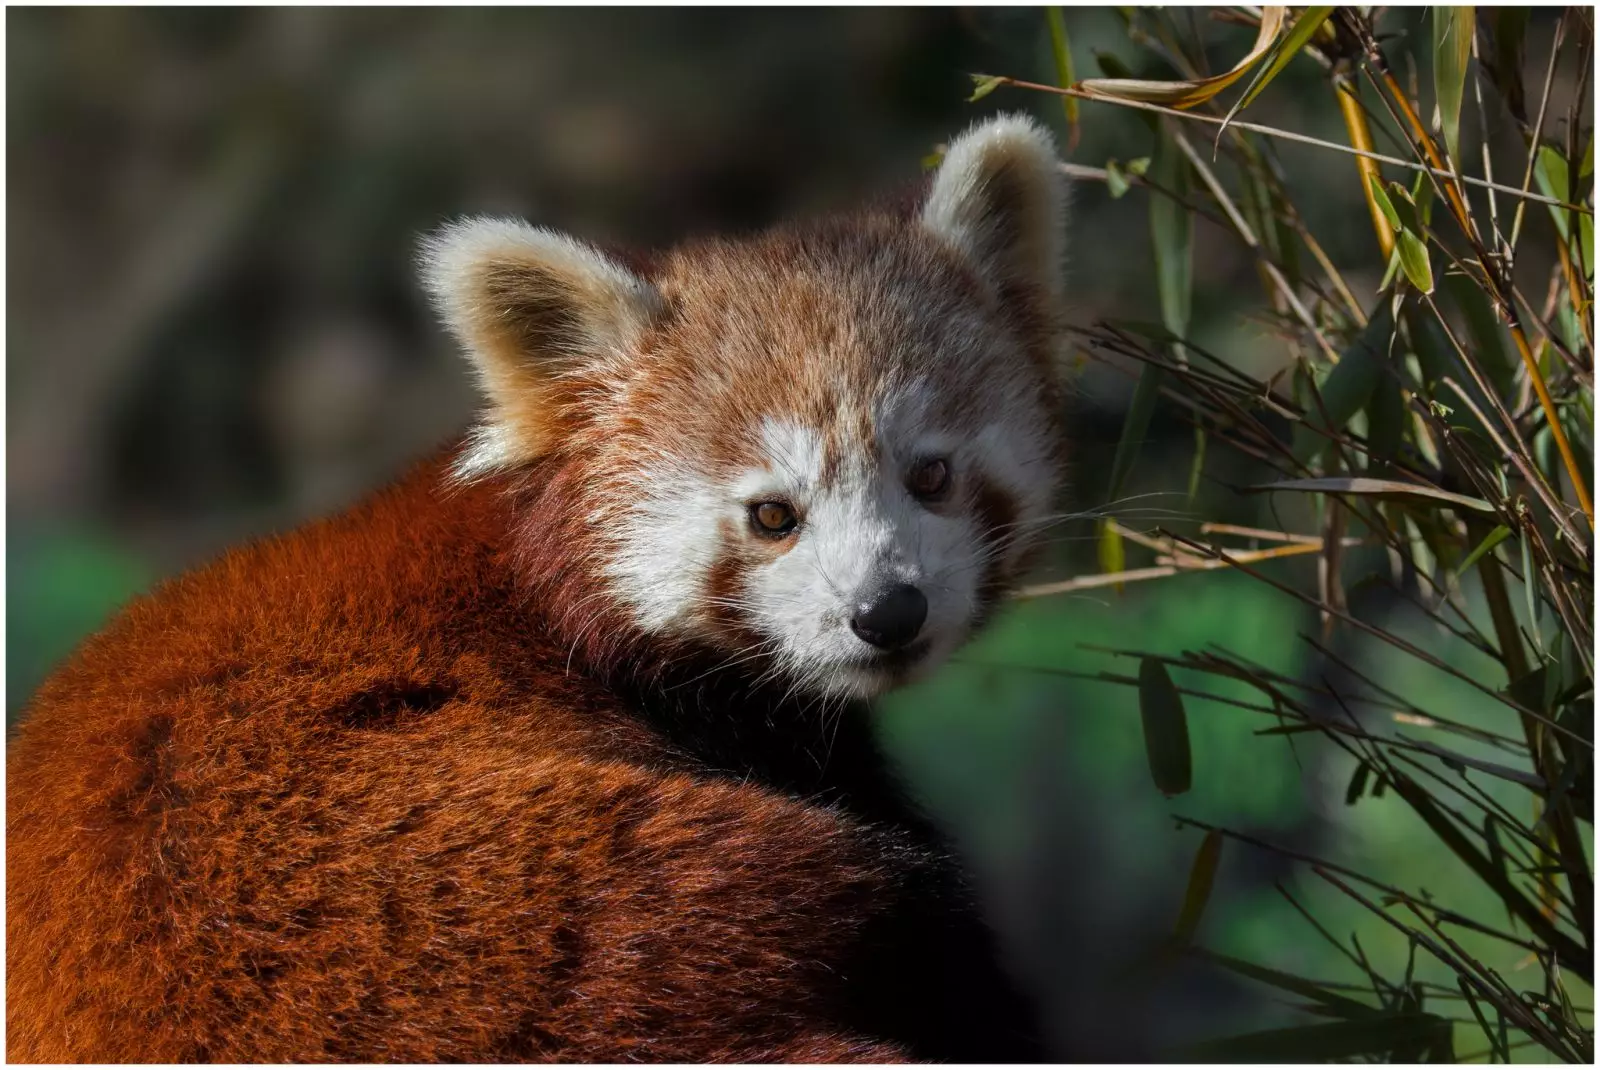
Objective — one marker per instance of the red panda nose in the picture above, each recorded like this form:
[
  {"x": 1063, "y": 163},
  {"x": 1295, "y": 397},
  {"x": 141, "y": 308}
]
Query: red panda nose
[{"x": 892, "y": 617}]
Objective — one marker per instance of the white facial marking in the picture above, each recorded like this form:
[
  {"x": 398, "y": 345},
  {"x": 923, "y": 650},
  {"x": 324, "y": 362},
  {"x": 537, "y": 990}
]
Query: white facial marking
[{"x": 666, "y": 539}]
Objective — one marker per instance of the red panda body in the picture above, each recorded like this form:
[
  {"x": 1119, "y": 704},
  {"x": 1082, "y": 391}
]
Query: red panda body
[{"x": 547, "y": 752}]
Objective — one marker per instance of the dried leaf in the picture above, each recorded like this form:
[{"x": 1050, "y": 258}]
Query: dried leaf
[
  {"x": 1186, "y": 93},
  {"x": 1309, "y": 22},
  {"x": 1378, "y": 488}
]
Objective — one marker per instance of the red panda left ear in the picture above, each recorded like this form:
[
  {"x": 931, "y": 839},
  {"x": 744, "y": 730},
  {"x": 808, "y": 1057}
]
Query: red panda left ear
[
  {"x": 1000, "y": 199},
  {"x": 528, "y": 304}
]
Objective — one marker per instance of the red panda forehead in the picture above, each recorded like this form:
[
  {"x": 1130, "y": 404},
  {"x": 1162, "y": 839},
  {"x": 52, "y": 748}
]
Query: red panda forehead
[{"x": 825, "y": 330}]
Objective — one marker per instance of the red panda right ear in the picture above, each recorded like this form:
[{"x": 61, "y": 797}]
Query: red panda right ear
[
  {"x": 1000, "y": 199},
  {"x": 527, "y": 304}
]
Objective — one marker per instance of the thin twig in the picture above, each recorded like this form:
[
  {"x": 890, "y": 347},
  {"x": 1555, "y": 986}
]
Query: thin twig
[{"x": 1288, "y": 135}]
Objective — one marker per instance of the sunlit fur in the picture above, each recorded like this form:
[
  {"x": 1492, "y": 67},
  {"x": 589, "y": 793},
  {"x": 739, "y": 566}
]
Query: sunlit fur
[{"x": 815, "y": 365}]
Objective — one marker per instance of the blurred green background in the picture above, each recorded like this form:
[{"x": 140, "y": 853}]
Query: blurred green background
[{"x": 215, "y": 333}]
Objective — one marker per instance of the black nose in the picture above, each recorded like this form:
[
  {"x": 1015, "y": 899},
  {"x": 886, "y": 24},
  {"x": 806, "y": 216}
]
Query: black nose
[{"x": 892, "y": 617}]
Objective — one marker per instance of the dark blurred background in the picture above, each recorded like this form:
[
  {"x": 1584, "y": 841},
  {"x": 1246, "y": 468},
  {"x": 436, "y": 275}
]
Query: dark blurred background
[{"x": 215, "y": 332}]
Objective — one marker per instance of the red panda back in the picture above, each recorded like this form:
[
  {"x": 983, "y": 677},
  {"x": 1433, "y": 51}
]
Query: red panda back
[{"x": 313, "y": 818}]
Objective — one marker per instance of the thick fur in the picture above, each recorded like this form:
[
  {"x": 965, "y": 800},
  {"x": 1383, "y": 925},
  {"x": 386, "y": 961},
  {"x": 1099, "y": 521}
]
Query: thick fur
[{"x": 543, "y": 753}]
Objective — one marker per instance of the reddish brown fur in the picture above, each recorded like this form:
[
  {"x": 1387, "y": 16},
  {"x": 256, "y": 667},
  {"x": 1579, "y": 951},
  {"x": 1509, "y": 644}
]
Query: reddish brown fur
[
  {"x": 377, "y": 819},
  {"x": 412, "y": 784}
]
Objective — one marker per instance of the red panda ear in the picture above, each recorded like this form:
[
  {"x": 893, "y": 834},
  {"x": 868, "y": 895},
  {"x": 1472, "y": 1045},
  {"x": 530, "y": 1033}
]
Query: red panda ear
[
  {"x": 1000, "y": 198},
  {"x": 527, "y": 304}
]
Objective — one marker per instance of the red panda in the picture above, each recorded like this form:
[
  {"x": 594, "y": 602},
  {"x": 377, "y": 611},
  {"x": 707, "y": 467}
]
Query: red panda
[{"x": 558, "y": 749}]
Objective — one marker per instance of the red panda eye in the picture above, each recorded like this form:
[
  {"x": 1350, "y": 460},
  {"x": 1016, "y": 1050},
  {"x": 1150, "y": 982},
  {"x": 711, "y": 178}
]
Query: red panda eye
[
  {"x": 772, "y": 518},
  {"x": 929, "y": 478}
]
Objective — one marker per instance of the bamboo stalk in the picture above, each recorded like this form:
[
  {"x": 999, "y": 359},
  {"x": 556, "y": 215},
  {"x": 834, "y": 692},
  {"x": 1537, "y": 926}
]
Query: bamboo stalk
[{"x": 1355, "y": 123}]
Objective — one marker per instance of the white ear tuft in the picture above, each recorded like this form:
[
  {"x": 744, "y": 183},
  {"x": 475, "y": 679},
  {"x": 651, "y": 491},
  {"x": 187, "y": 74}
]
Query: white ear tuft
[
  {"x": 1000, "y": 198},
  {"x": 527, "y": 304}
]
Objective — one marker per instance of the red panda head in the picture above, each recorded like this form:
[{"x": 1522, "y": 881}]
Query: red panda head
[{"x": 825, "y": 451}]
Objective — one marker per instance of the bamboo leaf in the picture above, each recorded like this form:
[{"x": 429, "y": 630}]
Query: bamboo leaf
[
  {"x": 1385, "y": 205},
  {"x": 1061, "y": 49},
  {"x": 1343, "y": 1006},
  {"x": 1134, "y": 425},
  {"x": 1378, "y": 488},
  {"x": 983, "y": 85},
  {"x": 1310, "y": 20},
  {"x": 1551, "y": 172},
  {"x": 1499, "y": 535},
  {"x": 1414, "y": 260},
  {"x": 1358, "y": 784},
  {"x": 1484, "y": 326},
  {"x": 1172, "y": 233},
  {"x": 1166, "y": 729},
  {"x": 1202, "y": 875},
  {"x": 1402, "y": 213},
  {"x": 1452, "y": 48},
  {"x": 1347, "y": 387},
  {"x": 1172, "y": 237},
  {"x": 1116, "y": 181},
  {"x": 1186, "y": 93},
  {"x": 1509, "y": 25},
  {"x": 1571, "y": 955}
]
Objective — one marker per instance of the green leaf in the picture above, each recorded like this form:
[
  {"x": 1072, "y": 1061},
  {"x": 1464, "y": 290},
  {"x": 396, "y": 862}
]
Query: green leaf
[
  {"x": 1386, "y": 425},
  {"x": 1061, "y": 49},
  {"x": 1385, "y": 205},
  {"x": 1134, "y": 425},
  {"x": 1422, "y": 197},
  {"x": 984, "y": 84},
  {"x": 1409, "y": 245},
  {"x": 1348, "y": 386},
  {"x": 1489, "y": 342},
  {"x": 1551, "y": 172},
  {"x": 1412, "y": 249},
  {"x": 1452, "y": 48},
  {"x": 1510, "y": 27},
  {"x": 1343, "y": 1006},
  {"x": 1138, "y": 166},
  {"x": 1358, "y": 784},
  {"x": 1116, "y": 181},
  {"x": 1166, "y": 729},
  {"x": 1414, "y": 260},
  {"x": 1202, "y": 875},
  {"x": 1519, "y": 904},
  {"x": 1172, "y": 234},
  {"x": 1327, "y": 1041},
  {"x": 1499, "y": 535}
]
